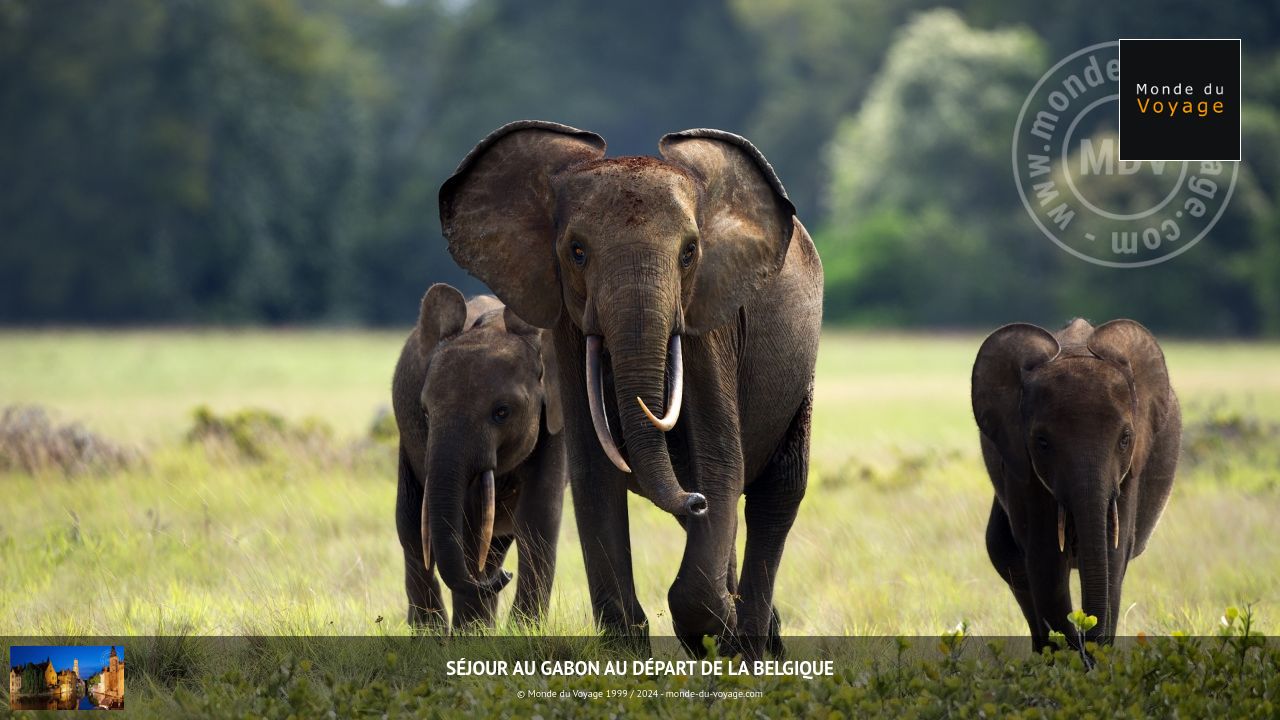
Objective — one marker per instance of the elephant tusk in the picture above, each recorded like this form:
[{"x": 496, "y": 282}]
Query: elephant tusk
[
  {"x": 595, "y": 398},
  {"x": 1062, "y": 529},
  {"x": 1115, "y": 524},
  {"x": 675, "y": 363},
  {"x": 486, "y": 520}
]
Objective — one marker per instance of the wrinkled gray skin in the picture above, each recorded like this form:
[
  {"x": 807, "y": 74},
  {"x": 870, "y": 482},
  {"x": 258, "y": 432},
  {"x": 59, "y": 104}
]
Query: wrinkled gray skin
[
  {"x": 463, "y": 361},
  {"x": 701, "y": 245},
  {"x": 1084, "y": 422}
]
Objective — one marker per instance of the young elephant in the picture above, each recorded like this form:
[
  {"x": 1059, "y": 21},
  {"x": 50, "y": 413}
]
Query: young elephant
[
  {"x": 1080, "y": 434},
  {"x": 482, "y": 461}
]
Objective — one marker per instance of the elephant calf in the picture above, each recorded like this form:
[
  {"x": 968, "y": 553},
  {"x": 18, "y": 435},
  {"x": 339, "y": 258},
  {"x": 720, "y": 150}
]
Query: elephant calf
[
  {"x": 1080, "y": 432},
  {"x": 482, "y": 460}
]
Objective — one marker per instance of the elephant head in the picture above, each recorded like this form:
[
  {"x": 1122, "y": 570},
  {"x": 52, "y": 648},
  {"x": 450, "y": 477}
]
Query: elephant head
[
  {"x": 1080, "y": 421},
  {"x": 485, "y": 401},
  {"x": 634, "y": 252}
]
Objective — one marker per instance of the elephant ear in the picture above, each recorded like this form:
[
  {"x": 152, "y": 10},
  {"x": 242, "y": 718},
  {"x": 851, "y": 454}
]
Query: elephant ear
[
  {"x": 541, "y": 341},
  {"x": 551, "y": 385},
  {"x": 442, "y": 315},
  {"x": 996, "y": 391},
  {"x": 1133, "y": 347},
  {"x": 745, "y": 219},
  {"x": 497, "y": 211}
]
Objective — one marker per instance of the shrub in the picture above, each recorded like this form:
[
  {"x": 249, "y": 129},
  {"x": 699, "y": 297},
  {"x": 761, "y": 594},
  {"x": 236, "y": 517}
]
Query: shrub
[
  {"x": 253, "y": 433},
  {"x": 30, "y": 442},
  {"x": 257, "y": 435}
]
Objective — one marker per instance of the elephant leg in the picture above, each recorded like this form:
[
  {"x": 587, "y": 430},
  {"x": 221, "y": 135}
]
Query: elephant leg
[
  {"x": 1118, "y": 568},
  {"x": 1049, "y": 575},
  {"x": 537, "y": 521},
  {"x": 773, "y": 501},
  {"x": 731, "y": 574},
  {"x": 700, "y": 598},
  {"x": 600, "y": 510},
  {"x": 1011, "y": 564},
  {"x": 470, "y": 609},
  {"x": 497, "y": 556},
  {"x": 729, "y": 646},
  {"x": 599, "y": 504},
  {"x": 426, "y": 603}
]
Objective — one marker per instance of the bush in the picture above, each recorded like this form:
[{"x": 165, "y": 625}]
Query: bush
[
  {"x": 30, "y": 442},
  {"x": 1234, "y": 448},
  {"x": 256, "y": 435},
  {"x": 252, "y": 433}
]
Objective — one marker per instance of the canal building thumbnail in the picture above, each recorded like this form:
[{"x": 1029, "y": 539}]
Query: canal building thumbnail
[
  {"x": 37, "y": 683},
  {"x": 111, "y": 681}
]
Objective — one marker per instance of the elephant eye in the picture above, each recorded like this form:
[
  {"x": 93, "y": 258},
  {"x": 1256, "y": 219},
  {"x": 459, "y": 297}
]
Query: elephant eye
[
  {"x": 578, "y": 252},
  {"x": 689, "y": 253},
  {"x": 1042, "y": 442},
  {"x": 1125, "y": 440},
  {"x": 500, "y": 413}
]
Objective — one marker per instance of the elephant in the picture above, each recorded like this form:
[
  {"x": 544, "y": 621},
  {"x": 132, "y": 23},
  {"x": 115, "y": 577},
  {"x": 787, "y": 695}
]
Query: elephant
[
  {"x": 1080, "y": 433},
  {"x": 482, "y": 460},
  {"x": 684, "y": 299}
]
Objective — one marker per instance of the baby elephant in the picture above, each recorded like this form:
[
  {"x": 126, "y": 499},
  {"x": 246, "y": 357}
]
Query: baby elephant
[
  {"x": 482, "y": 460},
  {"x": 1080, "y": 433}
]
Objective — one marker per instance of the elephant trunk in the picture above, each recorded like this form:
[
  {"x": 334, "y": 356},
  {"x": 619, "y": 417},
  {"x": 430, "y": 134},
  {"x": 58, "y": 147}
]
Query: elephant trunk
[
  {"x": 444, "y": 530},
  {"x": 1094, "y": 535},
  {"x": 639, "y": 375},
  {"x": 638, "y": 319}
]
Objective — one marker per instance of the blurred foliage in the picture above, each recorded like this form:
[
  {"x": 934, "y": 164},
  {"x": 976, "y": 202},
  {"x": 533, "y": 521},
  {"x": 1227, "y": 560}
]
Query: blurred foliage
[
  {"x": 256, "y": 435},
  {"x": 30, "y": 442},
  {"x": 253, "y": 430},
  {"x": 925, "y": 227},
  {"x": 277, "y": 161},
  {"x": 910, "y": 238}
]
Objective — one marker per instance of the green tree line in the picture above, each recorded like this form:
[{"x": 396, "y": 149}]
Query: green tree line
[
  {"x": 33, "y": 680},
  {"x": 277, "y": 161}
]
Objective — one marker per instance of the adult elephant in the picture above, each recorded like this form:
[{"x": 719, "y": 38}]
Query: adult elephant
[{"x": 685, "y": 301}]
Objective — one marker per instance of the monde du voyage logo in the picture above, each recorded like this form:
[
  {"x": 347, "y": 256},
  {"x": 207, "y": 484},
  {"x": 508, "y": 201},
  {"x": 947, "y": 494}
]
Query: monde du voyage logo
[{"x": 1126, "y": 153}]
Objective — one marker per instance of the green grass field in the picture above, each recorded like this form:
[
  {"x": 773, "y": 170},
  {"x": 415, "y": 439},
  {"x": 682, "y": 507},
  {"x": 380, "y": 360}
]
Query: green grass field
[{"x": 889, "y": 539}]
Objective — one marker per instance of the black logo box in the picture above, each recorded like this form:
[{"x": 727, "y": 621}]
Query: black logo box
[{"x": 1187, "y": 68}]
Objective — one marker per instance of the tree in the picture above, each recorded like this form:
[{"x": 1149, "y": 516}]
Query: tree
[
  {"x": 175, "y": 160},
  {"x": 924, "y": 225}
]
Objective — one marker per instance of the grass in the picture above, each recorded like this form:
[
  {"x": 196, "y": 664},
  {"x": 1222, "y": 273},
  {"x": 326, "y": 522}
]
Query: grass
[{"x": 889, "y": 540}]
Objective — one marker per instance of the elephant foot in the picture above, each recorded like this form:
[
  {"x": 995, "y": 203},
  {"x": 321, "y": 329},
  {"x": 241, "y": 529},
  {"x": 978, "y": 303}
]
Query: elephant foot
[
  {"x": 697, "y": 613},
  {"x": 427, "y": 620},
  {"x": 775, "y": 645},
  {"x": 693, "y": 644},
  {"x": 754, "y": 647}
]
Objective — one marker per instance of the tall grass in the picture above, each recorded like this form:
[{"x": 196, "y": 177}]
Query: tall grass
[{"x": 888, "y": 541}]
